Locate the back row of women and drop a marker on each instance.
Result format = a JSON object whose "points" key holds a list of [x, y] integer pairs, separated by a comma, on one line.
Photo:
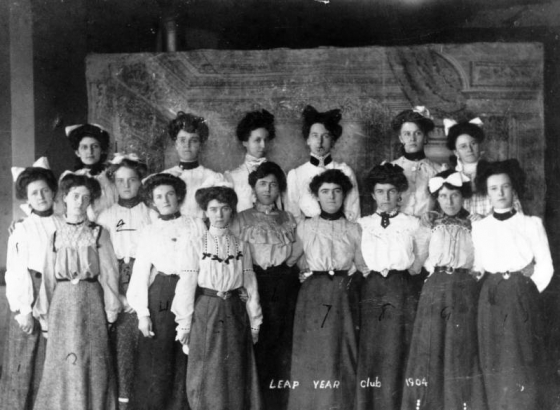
{"points": [[251, 290]]}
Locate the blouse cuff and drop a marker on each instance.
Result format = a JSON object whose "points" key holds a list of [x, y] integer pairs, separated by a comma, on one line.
{"points": [[25, 310], [112, 317], [143, 312]]}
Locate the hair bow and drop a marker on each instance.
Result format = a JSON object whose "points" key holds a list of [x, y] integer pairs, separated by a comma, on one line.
{"points": [[423, 111], [209, 183], [68, 130], [118, 158], [67, 172], [42, 162], [312, 116], [448, 123], [456, 179]]}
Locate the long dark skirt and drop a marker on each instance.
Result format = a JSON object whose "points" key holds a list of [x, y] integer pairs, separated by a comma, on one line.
{"points": [[324, 347], [222, 374], [443, 370], [510, 342], [387, 312], [159, 378], [23, 360], [78, 371], [278, 288]]}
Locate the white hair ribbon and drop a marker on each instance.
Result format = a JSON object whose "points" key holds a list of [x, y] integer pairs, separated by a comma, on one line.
{"points": [[118, 158], [448, 123], [71, 128], [456, 179], [42, 162], [423, 111]]}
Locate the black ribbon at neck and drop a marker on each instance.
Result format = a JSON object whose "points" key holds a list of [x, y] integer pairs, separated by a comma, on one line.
{"points": [[385, 218], [169, 217], [188, 165], [505, 215], [332, 217], [43, 214], [316, 161], [130, 203], [414, 156]]}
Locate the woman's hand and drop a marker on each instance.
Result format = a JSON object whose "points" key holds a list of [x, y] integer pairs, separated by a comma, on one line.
{"points": [[145, 326], [304, 274], [183, 336], [124, 302], [26, 322], [255, 335], [475, 217]]}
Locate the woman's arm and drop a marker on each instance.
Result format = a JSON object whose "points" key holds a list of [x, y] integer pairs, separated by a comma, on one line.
{"points": [[109, 276]]}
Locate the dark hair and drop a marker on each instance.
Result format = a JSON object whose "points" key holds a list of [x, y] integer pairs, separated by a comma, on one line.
{"points": [[93, 131], [386, 173], [425, 124], [152, 182], [70, 181], [140, 168], [265, 169], [331, 176], [220, 193], [509, 167], [330, 119], [463, 128], [465, 188], [253, 121], [33, 174], [189, 123]]}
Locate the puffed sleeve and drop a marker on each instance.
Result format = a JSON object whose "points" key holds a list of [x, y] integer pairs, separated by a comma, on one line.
{"points": [[421, 244], [297, 250], [359, 262], [428, 265], [292, 196], [46, 290], [250, 284], [183, 302], [478, 243], [109, 276], [137, 294], [543, 261], [352, 200], [517, 203], [19, 287]]}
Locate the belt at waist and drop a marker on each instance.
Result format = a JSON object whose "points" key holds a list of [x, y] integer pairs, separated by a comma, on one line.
{"points": [[282, 269], [220, 294], [450, 270], [330, 273], [388, 272], [91, 280], [526, 271]]}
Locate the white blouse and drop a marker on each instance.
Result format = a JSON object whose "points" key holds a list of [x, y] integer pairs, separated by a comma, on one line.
{"points": [[403, 244], [511, 245], [302, 203], [195, 178], [207, 268], [163, 247]]}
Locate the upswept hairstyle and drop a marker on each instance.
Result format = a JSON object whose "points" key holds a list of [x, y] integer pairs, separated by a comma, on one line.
{"points": [[461, 128], [33, 174], [152, 182], [265, 169], [93, 131], [221, 194], [330, 119], [254, 120], [465, 189], [331, 176], [138, 167], [386, 173], [509, 167], [425, 124], [189, 123], [71, 180]]}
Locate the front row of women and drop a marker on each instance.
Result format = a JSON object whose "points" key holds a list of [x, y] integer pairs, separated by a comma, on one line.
{"points": [[351, 341]]}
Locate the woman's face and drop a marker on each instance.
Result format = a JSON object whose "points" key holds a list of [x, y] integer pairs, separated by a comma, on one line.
{"points": [[412, 138], [40, 196], [127, 183], [500, 191], [77, 200], [257, 142], [320, 140], [188, 146], [89, 151], [450, 200], [330, 197], [165, 199], [386, 196], [219, 213], [467, 149], [267, 189]]}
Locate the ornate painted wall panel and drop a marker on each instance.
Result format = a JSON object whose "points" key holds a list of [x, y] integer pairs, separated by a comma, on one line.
{"points": [[135, 95]]}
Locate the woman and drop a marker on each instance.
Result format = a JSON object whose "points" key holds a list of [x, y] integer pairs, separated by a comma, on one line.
{"points": [[78, 298], [413, 127], [270, 234], [90, 143], [394, 248], [190, 133], [255, 131], [443, 370], [220, 325], [320, 130], [512, 250], [24, 352], [124, 221], [159, 381], [464, 140], [324, 346]]}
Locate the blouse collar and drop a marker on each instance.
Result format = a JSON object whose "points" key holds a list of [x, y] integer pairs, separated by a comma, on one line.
{"points": [[215, 231], [252, 162], [185, 166], [332, 217], [43, 214], [415, 156], [170, 217], [265, 209], [504, 214], [129, 203], [320, 161]]}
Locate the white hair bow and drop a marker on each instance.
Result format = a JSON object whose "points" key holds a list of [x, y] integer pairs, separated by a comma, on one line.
{"points": [[118, 158], [448, 123], [423, 111], [42, 162], [210, 183], [71, 128], [456, 179]]}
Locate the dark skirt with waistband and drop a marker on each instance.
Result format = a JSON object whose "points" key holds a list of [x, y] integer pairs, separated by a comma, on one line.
{"points": [[22, 363], [78, 372], [159, 377], [222, 373], [387, 313], [443, 370], [324, 351], [278, 288], [510, 342]]}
